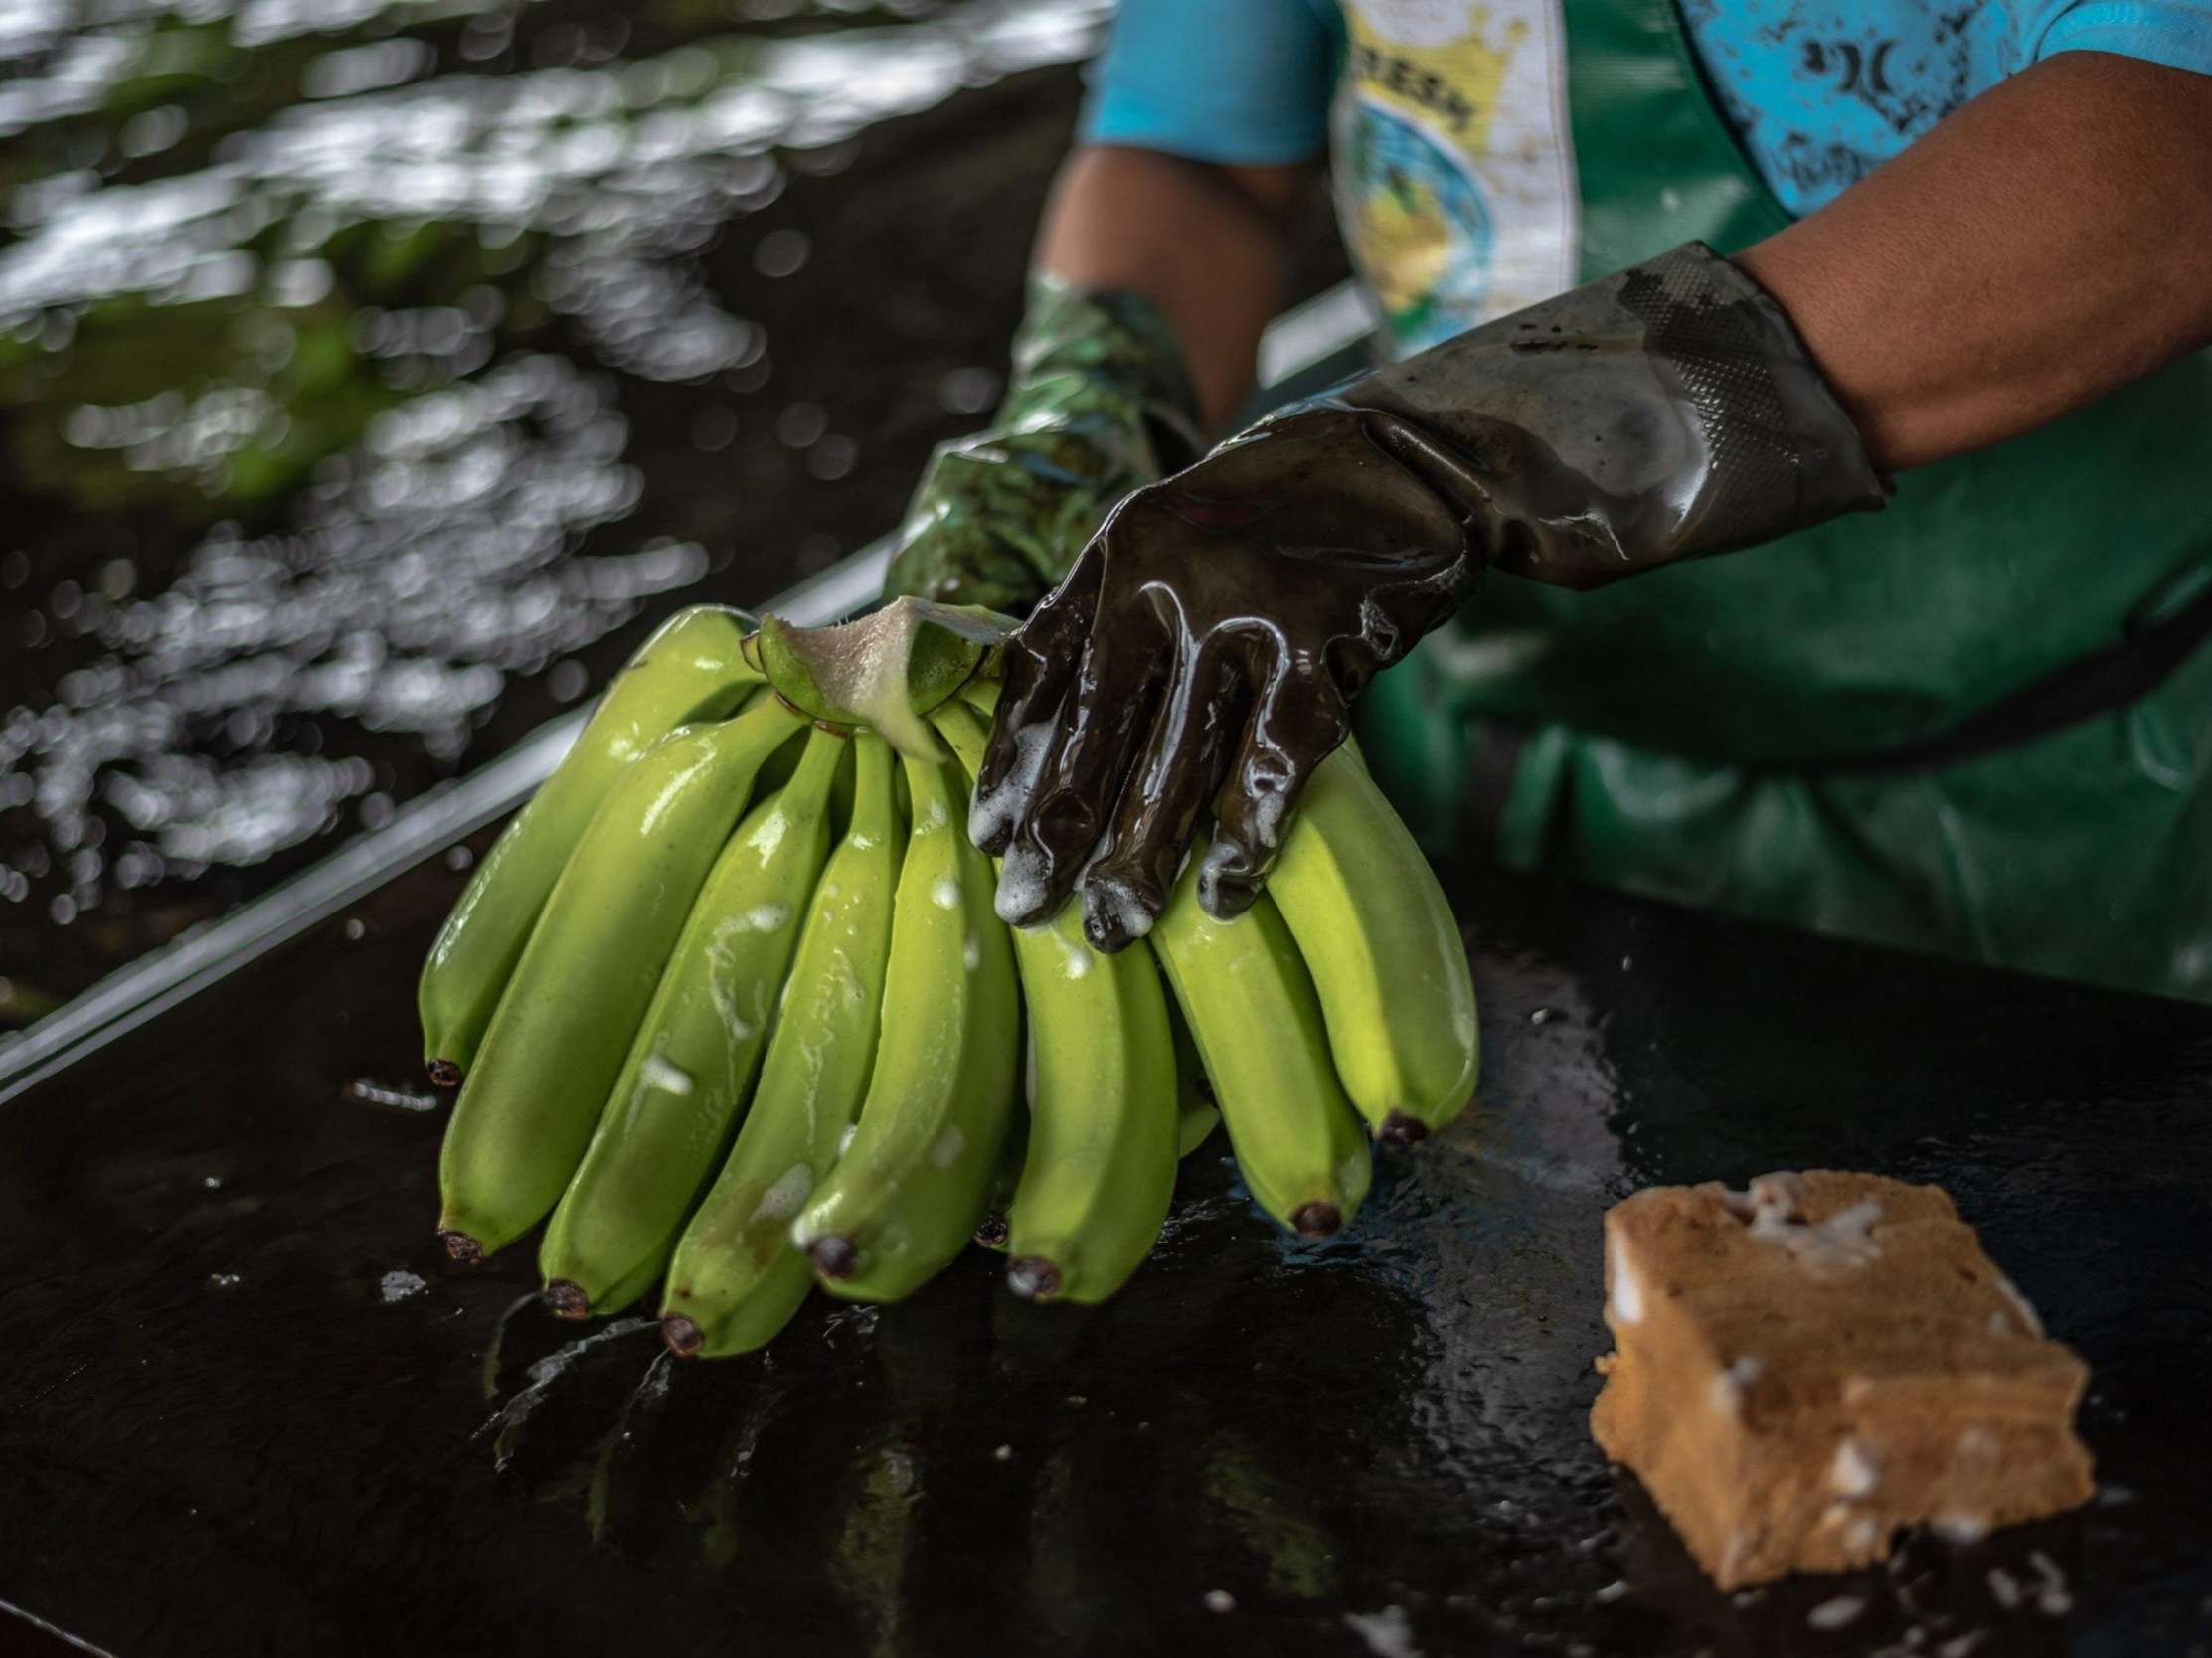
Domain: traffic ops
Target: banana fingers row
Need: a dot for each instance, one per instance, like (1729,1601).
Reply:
(729,1001)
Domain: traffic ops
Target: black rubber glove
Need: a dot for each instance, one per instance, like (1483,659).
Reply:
(1207,644)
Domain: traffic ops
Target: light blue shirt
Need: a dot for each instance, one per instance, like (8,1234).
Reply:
(1818,94)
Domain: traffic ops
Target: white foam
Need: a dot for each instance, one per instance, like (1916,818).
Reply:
(658,1072)
(1625,1303)
(1078,956)
(971,953)
(1730,1385)
(1388,1634)
(2020,1305)
(1267,808)
(2051,1598)
(945,893)
(768,835)
(1021,884)
(1957,1526)
(1105,898)
(397,1285)
(1845,1239)
(1219,857)
(1853,1472)
(994,810)
(1836,1613)
(785,1194)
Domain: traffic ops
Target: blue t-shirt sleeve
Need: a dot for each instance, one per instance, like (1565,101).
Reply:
(1244,83)
(2176,33)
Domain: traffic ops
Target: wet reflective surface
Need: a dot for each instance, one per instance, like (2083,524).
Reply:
(246,1406)
(372,372)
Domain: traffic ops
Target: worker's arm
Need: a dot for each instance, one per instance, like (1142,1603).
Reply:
(1152,280)
(1160,261)
(2045,243)
(2042,246)
(1204,243)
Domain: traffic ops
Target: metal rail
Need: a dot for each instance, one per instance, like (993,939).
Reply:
(1300,349)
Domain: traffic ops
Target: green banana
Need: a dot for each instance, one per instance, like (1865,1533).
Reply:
(1103,1115)
(998,1200)
(1198,1116)
(692,668)
(1384,953)
(736,1279)
(1252,1013)
(690,1070)
(564,1027)
(909,1191)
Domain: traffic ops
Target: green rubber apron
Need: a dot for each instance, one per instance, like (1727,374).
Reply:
(1787,734)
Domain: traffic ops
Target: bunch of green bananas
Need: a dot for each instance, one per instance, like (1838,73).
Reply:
(729,1001)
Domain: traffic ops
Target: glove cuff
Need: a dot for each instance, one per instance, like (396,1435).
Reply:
(1090,360)
(1661,413)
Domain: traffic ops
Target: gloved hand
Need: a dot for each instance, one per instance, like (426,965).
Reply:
(1209,642)
(1098,404)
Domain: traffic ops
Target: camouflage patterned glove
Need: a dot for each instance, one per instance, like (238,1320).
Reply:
(1098,404)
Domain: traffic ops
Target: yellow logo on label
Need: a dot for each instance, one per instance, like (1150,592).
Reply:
(1405,243)
(1415,58)
(1454,179)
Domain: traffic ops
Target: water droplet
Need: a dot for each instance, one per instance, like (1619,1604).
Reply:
(800,425)
(1544,1015)
(1220,1601)
(833,458)
(568,680)
(780,253)
(397,1285)
(365,1092)
(967,390)
(658,1072)
(714,428)
(222,1280)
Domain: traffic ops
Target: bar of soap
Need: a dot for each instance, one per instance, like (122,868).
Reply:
(1805,1368)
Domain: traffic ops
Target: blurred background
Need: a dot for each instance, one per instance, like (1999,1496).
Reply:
(373,373)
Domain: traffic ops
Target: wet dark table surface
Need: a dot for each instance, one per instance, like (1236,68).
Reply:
(246,1406)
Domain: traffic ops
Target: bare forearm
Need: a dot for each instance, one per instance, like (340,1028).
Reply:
(1204,243)
(2048,243)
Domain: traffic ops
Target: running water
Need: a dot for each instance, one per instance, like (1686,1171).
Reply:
(372,372)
